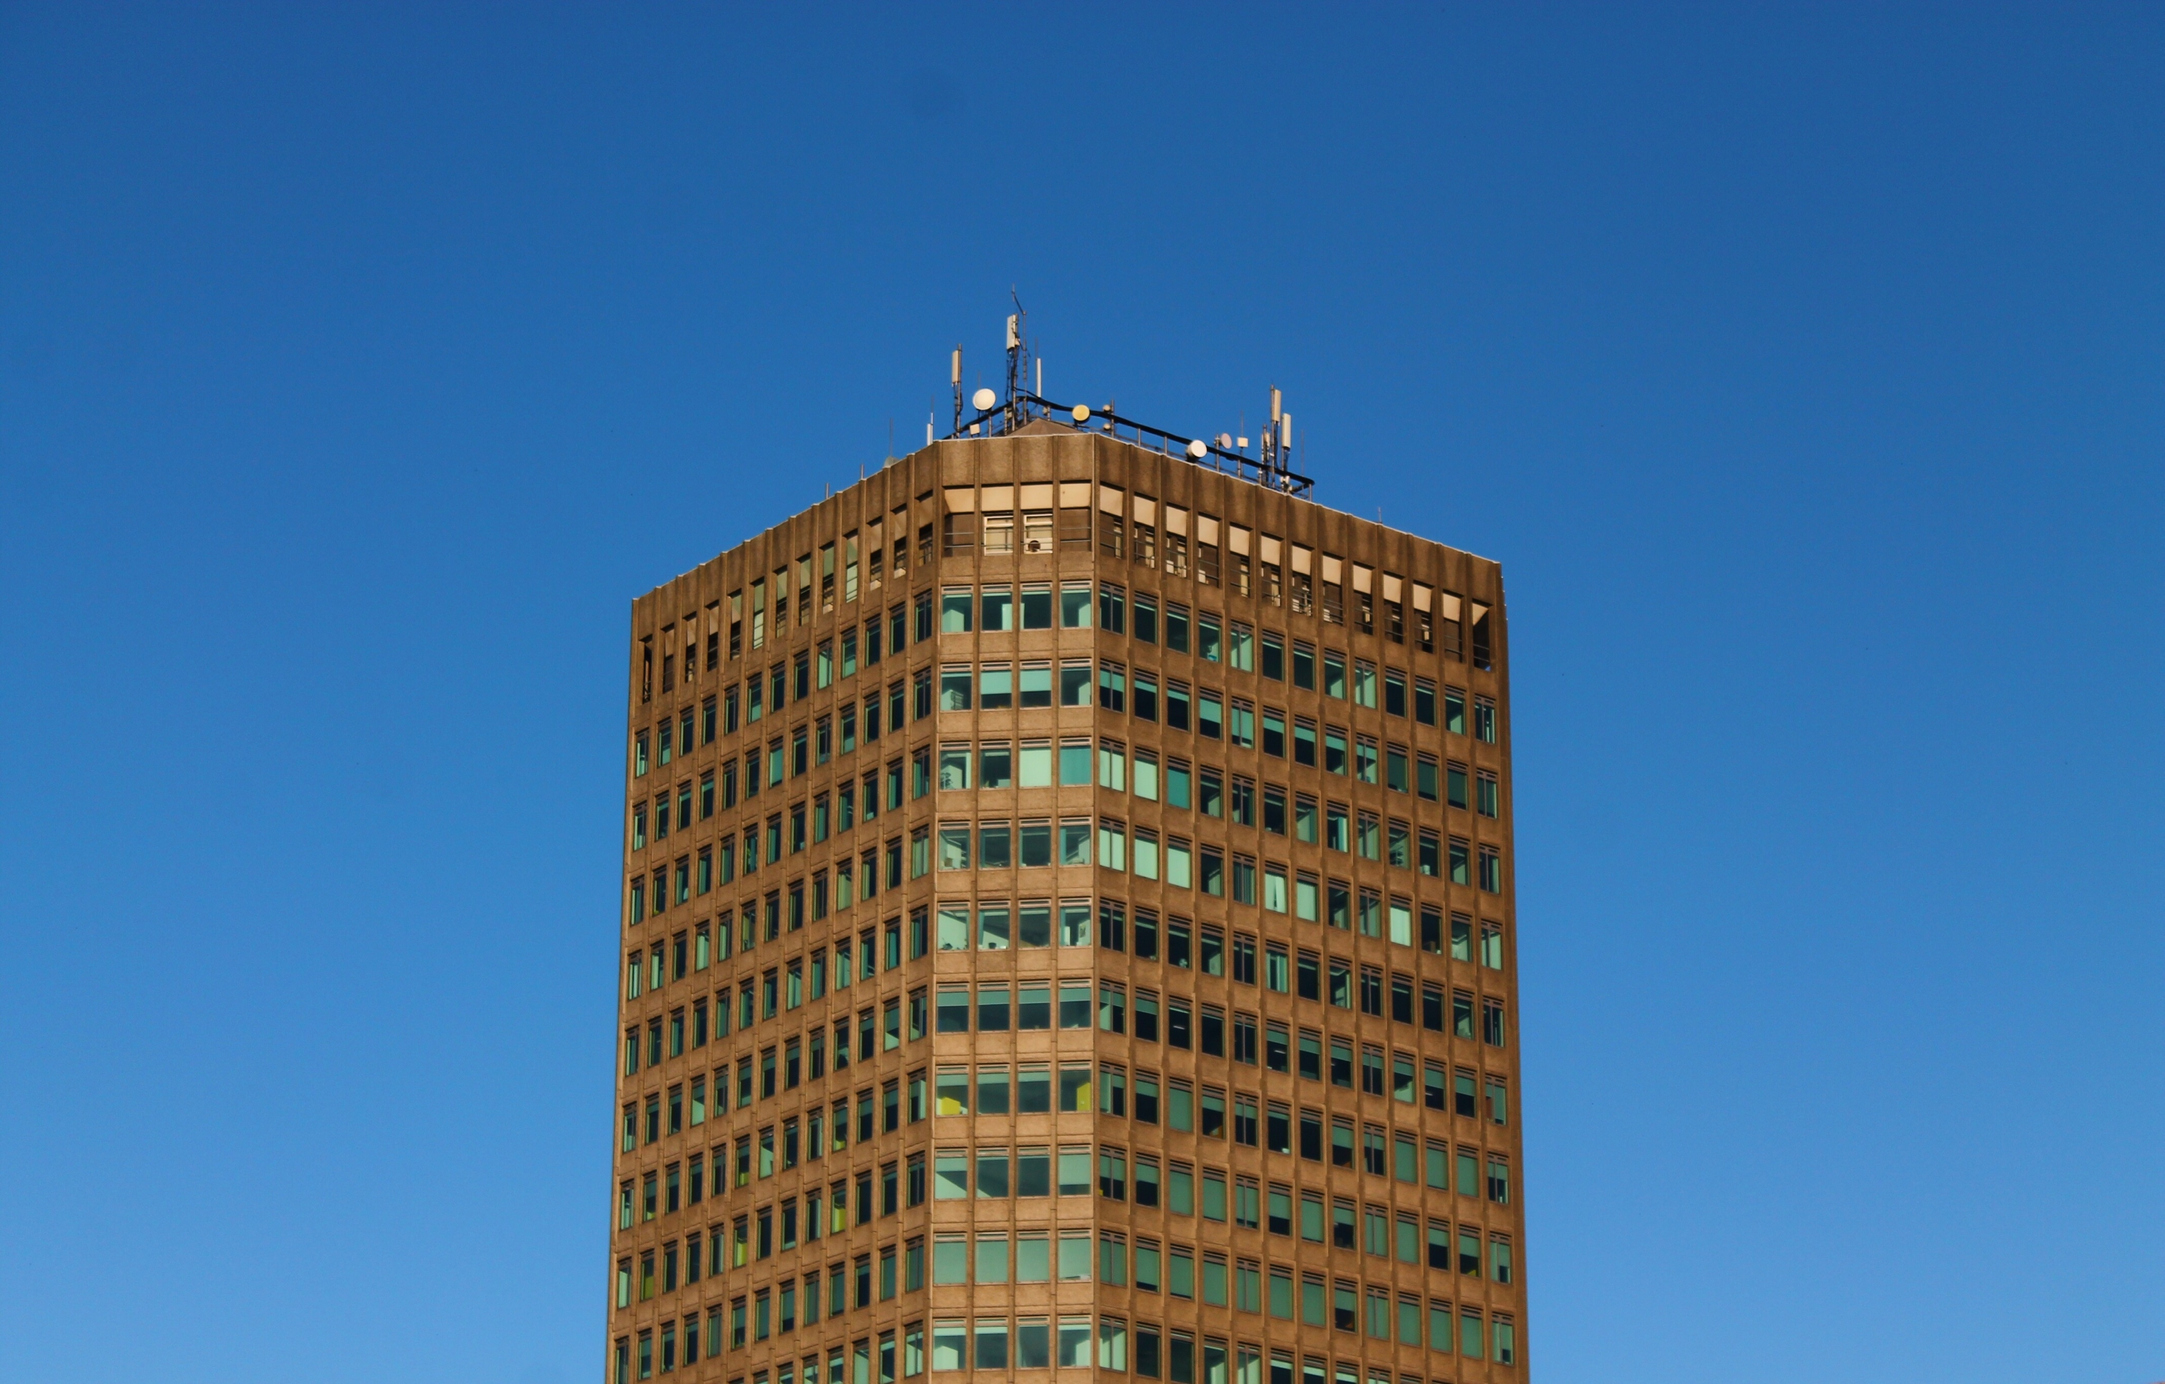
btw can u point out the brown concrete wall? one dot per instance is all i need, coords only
(915, 490)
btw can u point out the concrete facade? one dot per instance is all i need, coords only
(1174, 961)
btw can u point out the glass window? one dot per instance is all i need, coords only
(950, 1337)
(954, 846)
(1036, 686)
(951, 1091)
(953, 930)
(954, 767)
(990, 1334)
(1074, 1170)
(1035, 768)
(955, 687)
(950, 1176)
(1075, 605)
(996, 764)
(992, 1261)
(1112, 609)
(1037, 607)
(1033, 1086)
(1112, 687)
(1036, 846)
(955, 610)
(951, 1011)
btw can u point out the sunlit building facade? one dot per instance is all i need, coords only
(1069, 926)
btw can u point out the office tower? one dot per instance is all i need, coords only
(1069, 926)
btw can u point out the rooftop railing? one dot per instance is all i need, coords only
(1025, 408)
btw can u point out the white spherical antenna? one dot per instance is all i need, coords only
(983, 400)
(1198, 449)
(1080, 413)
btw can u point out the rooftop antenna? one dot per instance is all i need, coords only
(1018, 356)
(955, 376)
(1272, 461)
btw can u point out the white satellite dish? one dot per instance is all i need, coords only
(983, 400)
(1080, 413)
(1198, 449)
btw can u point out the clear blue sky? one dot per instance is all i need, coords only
(358, 365)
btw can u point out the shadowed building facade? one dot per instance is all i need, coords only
(1068, 926)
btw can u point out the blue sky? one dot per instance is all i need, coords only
(1801, 366)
